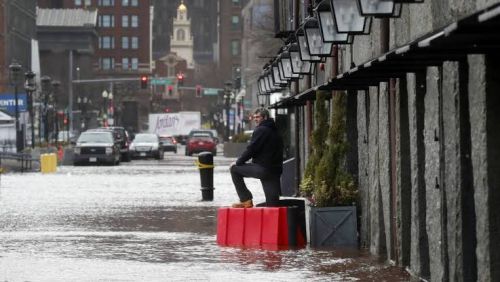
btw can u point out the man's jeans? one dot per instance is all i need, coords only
(270, 181)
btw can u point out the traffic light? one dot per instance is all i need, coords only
(144, 82)
(198, 90)
(180, 78)
(170, 90)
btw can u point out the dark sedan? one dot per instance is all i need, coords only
(94, 147)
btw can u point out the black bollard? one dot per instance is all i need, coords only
(206, 167)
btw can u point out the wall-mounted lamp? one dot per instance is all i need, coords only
(348, 18)
(305, 54)
(315, 42)
(298, 66)
(327, 25)
(379, 8)
(285, 66)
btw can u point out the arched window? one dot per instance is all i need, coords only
(181, 35)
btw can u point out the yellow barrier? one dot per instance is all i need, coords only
(48, 163)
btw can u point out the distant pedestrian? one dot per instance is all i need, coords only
(266, 151)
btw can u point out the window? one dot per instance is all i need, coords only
(106, 42)
(135, 63)
(134, 42)
(134, 3)
(125, 64)
(235, 22)
(125, 42)
(125, 21)
(106, 21)
(125, 2)
(181, 35)
(107, 63)
(235, 47)
(236, 2)
(88, 2)
(134, 21)
(78, 2)
(106, 3)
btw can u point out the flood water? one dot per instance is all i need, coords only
(144, 221)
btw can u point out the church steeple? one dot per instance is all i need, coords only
(181, 41)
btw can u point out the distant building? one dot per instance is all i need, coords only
(181, 41)
(123, 50)
(17, 29)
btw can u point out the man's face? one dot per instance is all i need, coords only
(257, 118)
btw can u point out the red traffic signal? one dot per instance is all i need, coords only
(198, 90)
(180, 78)
(144, 82)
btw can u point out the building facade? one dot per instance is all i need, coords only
(422, 123)
(17, 30)
(123, 51)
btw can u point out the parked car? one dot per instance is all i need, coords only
(201, 142)
(146, 145)
(169, 144)
(122, 137)
(94, 147)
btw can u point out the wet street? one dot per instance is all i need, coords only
(145, 221)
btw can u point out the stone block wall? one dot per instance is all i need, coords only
(447, 154)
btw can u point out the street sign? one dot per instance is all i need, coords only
(211, 91)
(161, 81)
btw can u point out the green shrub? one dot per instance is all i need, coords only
(318, 139)
(328, 182)
(240, 138)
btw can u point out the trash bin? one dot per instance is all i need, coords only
(205, 164)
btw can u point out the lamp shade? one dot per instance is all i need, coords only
(276, 75)
(314, 39)
(285, 65)
(305, 54)
(379, 8)
(327, 25)
(298, 66)
(348, 18)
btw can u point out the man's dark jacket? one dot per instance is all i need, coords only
(265, 148)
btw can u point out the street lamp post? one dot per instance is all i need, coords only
(105, 96)
(46, 83)
(227, 101)
(83, 102)
(30, 87)
(15, 69)
(55, 86)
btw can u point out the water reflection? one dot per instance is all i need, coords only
(86, 224)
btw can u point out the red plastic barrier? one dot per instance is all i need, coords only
(266, 227)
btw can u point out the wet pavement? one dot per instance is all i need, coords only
(145, 221)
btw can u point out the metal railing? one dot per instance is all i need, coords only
(16, 161)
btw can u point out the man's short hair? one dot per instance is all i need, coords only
(263, 112)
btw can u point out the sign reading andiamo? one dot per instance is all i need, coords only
(171, 124)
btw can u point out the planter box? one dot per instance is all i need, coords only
(333, 227)
(234, 150)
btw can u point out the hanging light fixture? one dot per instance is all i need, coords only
(327, 25)
(298, 66)
(379, 8)
(348, 18)
(285, 66)
(276, 75)
(315, 42)
(305, 54)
